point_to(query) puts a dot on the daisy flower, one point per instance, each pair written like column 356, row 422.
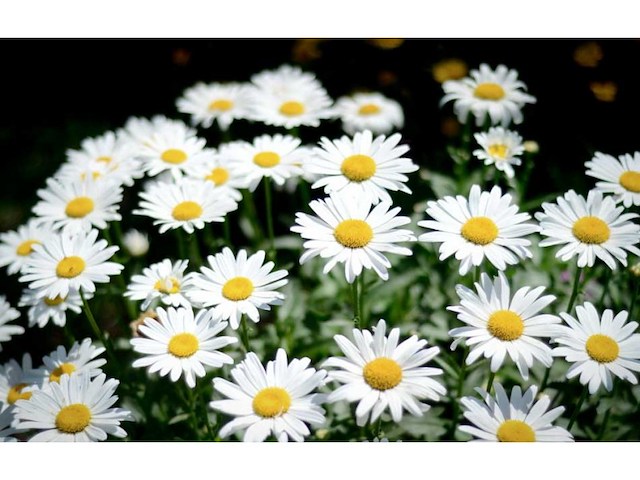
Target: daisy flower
column 44, row 308
column 278, row 400
column 498, row 324
column 352, row 231
column 237, row 285
column 78, row 205
column 80, row 361
column 17, row 381
column 619, row 177
column 136, row 243
column 589, row 228
column 497, row 93
column 8, row 314
column 362, row 166
column 17, row 246
column 599, row 347
column 517, row 419
column 78, row 409
column 501, row 148
column 369, row 111
column 278, row 157
column 179, row 344
column 221, row 102
column 162, row 281
column 65, row 262
column 6, row 426
column 378, row 373
column 139, row 130
column 186, row 204
column 221, row 173
column 486, row 224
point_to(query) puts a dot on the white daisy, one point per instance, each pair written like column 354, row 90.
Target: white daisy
column 278, row 401
column 486, row 224
column 220, row 172
column 362, row 166
column 237, row 285
column 589, row 229
column 78, row 205
column 497, row 93
column 369, row 111
column 498, row 324
column 599, row 347
column 619, row 177
column 6, row 426
column 278, row 157
column 136, row 243
column 221, row 102
column 351, row 231
column 70, row 262
column 520, row 418
column 500, row 147
column 44, row 308
column 138, row 131
column 80, row 361
column 8, row 314
column 379, row 374
column 163, row 281
column 78, row 409
column 179, row 344
column 17, row 380
column 187, row 204
column 17, row 246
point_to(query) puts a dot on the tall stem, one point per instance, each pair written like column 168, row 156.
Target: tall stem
column 244, row 334
column 574, row 292
column 634, row 297
column 492, row 375
column 585, row 390
column 182, row 251
column 356, row 303
column 96, row 329
column 456, row 400
column 267, row 200
column 363, row 320
column 545, row 379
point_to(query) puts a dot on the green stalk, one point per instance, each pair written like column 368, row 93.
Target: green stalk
column 227, row 231
column 96, row 329
column 574, row 292
column 545, row 379
column 182, row 251
column 634, row 297
column 244, row 334
column 267, row 200
column 363, row 321
column 356, row 303
column 455, row 401
column 194, row 249
column 492, row 375
column 585, row 390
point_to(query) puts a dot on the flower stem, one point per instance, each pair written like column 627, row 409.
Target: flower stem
column 356, row 303
column 194, row 249
column 574, row 292
column 363, row 321
column 456, row 401
column 227, row 231
column 545, row 380
column 182, row 251
column 492, row 375
column 96, row 329
column 634, row 297
column 267, row 200
column 585, row 390
column 244, row 334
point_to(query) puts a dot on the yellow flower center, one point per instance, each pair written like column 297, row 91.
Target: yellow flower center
column 368, row 109
column 70, row 267
column 183, row 345
column 631, row 181
column 266, row 159
column 186, row 211
column 271, row 402
column 505, row 325
column 237, row 288
column 218, row 176
column 64, row 369
column 353, row 233
column 602, row 348
column 358, row 168
column 489, row 91
column 591, row 230
column 173, row 156
column 79, row 207
column 382, row 373
column 26, row 247
column 479, row 230
column 515, row 431
column 104, row 159
column 73, row 418
column 499, row 150
column 221, row 105
column 167, row 285
column 52, row 302
column 95, row 175
column 292, row 109
column 15, row 394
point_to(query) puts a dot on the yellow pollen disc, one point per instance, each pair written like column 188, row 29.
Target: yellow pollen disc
column 221, row 105
column 515, row 431
column 602, row 348
column 185, row 211
column 292, row 109
column 183, row 345
column 498, row 150
column 218, row 176
column 479, row 230
column 52, row 302
column 382, row 373
column 104, row 159
column 70, row 267
column 95, row 175
column 79, row 207
column 631, row 181
column 238, row 288
column 65, row 368
column 266, row 159
column 358, row 168
column 505, row 325
column 15, row 394
column 489, row 91
column 167, row 285
column 353, row 233
column 73, row 418
column 369, row 109
column 26, row 247
column 271, row 402
column 174, row 156
column 591, row 230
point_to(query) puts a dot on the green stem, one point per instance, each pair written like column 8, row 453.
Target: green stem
column 456, row 406
column 227, row 231
column 545, row 379
column 117, row 233
column 574, row 292
column 363, row 320
column 194, row 250
column 585, row 390
column 476, row 274
column 634, row 297
column 492, row 375
column 250, row 212
column 96, row 329
column 267, row 200
column 356, row 303
column 182, row 251
column 244, row 334
column 605, row 290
